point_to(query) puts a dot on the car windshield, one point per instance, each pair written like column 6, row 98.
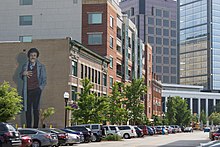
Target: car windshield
column 58, row 131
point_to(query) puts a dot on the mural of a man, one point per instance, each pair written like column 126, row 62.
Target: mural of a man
column 34, row 80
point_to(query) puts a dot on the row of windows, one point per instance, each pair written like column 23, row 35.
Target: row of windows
column 166, row 60
column 166, row 51
column 90, row 73
column 158, row 31
column 166, row 69
column 160, row 22
column 158, row 41
column 160, row 13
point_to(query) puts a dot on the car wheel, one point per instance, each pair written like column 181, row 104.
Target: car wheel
column 36, row 143
column 94, row 138
column 126, row 136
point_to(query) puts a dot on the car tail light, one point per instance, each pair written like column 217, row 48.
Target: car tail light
column 132, row 131
column 47, row 136
column 62, row 136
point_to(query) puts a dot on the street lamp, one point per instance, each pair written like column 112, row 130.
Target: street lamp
column 66, row 96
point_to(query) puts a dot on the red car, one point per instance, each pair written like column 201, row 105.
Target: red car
column 26, row 141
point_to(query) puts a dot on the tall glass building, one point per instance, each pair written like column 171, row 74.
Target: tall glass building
column 199, row 43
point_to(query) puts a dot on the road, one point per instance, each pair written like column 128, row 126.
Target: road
column 171, row 140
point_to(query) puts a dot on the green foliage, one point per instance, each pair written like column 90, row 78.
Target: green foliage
column 114, row 137
column 92, row 109
column 134, row 105
column 215, row 117
column 10, row 102
column 157, row 120
column 194, row 118
column 46, row 113
column 177, row 111
column 116, row 111
column 203, row 117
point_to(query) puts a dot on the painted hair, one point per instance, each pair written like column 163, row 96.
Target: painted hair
column 33, row 50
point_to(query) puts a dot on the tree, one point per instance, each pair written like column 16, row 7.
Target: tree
column 91, row 109
column 116, row 111
column 215, row 117
column 177, row 111
column 133, row 102
column 46, row 113
column 203, row 117
column 171, row 111
column 10, row 102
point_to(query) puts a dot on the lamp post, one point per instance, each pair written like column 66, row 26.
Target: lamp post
column 66, row 96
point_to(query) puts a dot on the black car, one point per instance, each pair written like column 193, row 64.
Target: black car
column 62, row 136
column 9, row 136
column 139, row 131
column 86, row 132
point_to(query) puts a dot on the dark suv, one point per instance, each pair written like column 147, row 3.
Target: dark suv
column 86, row 132
column 9, row 136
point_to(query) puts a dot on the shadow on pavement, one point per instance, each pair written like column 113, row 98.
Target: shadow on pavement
column 185, row 143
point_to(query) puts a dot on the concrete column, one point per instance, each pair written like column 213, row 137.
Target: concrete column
column 214, row 102
column 165, row 104
column 207, row 107
column 199, row 106
column 191, row 105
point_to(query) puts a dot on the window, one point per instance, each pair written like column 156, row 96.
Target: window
column 111, row 22
column 166, row 79
column 166, row 51
column 166, row 41
column 151, row 39
column 165, row 69
column 173, row 51
column 104, row 79
column 111, row 42
column 165, row 32
column 92, row 75
column 74, row 68
column 158, row 31
column 25, row 20
column 151, row 20
column 165, row 13
column 95, row 39
column 74, row 93
column 111, row 62
column 166, row 60
column 25, row 38
column 158, row 40
column 166, row 23
column 158, row 22
column 118, row 48
column 110, row 82
column 173, row 61
column 99, row 76
column 173, row 24
column 96, row 76
column 173, row 79
column 158, row 68
column 81, row 71
column 173, row 42
column 158, row 12
column 173, row 70
column 158, row 50
column 150, row 30
column 26, row 2
column 173, row 33
column 132, row 11
column 95, row 18
column 89, row 72
column 158, row 59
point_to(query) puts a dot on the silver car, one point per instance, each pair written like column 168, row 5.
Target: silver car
column 39, row 138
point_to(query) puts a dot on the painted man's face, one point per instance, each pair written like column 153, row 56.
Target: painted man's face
column 33, row 57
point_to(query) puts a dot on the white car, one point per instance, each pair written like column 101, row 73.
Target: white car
column 72, row 138
column 112, row 130
column 127, row 131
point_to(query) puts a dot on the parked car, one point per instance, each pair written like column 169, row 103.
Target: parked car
column 80, row 134
column 127, row 131
column 40, row 138
column 112, row 130
column 188, row 129
column 159, row 129
column 171, row 129
column 214, row 134
column 26, row 141
column 97, row 131
column 177, row 128
column 62, row 136
column 72, row 139
column 150, row 131
column 139, row 131
column 207, row 129
column 86, row 132
column 144, row 129
column 9, row 136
